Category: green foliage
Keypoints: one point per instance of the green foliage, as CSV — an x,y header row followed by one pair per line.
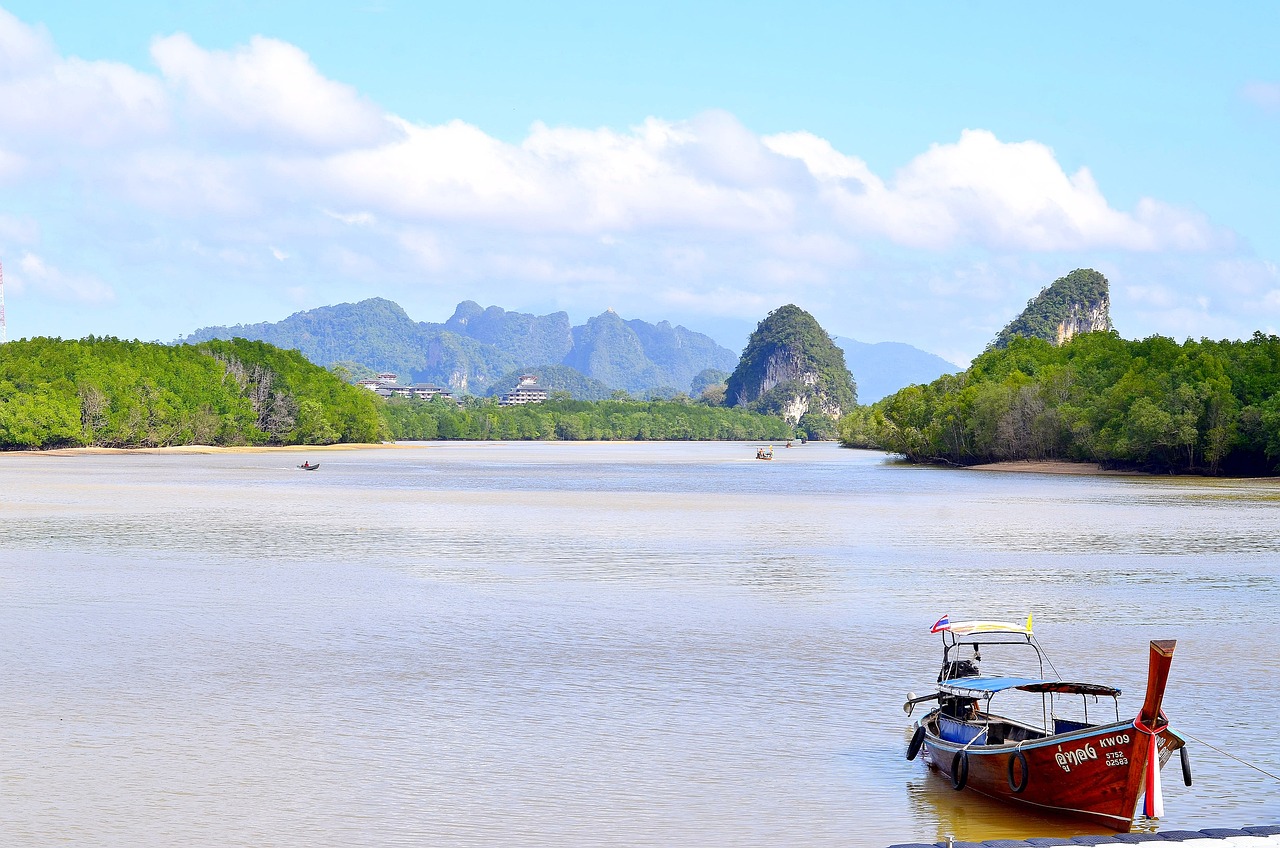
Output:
x,y
570,420
113,393
789,342
1201,406
713,395
1082,289
350,371
705,379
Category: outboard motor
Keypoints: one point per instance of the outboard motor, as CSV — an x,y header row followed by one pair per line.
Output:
x,y
958,668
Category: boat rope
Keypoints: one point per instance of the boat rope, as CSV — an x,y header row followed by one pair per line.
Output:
x,y
1182,732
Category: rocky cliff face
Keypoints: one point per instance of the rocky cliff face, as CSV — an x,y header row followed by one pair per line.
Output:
x,y
791,368
1077,303
1084,318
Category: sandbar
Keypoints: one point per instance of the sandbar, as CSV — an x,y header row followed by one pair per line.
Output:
x,y
1052,466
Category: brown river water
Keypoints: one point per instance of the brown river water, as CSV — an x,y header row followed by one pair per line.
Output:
x,y
587,644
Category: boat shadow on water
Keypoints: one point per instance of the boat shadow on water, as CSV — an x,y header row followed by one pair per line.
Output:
x,y
941,813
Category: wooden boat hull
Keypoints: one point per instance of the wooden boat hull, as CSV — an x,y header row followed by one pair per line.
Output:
x,y
1096,774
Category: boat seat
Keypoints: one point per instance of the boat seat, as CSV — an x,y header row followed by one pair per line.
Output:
x,y
1063,725
960,732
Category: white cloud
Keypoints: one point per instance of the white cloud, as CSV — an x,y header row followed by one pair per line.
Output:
x,y
362,219
37,276
215,158
982,191
50,100
269,90
22,47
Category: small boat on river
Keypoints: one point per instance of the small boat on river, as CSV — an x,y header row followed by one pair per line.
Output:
x,y
761,453
1073,766
307,466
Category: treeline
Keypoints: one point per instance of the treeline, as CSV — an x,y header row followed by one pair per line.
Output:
x,y
1203,406
105,392
569,420
112,393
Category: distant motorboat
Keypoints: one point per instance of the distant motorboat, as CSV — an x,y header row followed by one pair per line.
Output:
x,y
761,453
307,466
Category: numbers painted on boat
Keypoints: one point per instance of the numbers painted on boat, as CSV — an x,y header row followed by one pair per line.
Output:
x,y
1117,758
1112,741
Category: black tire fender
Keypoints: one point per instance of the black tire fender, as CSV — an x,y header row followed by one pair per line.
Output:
x,y
959,770
1186,764
917,739
1019,785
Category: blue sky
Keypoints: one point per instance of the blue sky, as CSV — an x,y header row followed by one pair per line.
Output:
x,y
906,173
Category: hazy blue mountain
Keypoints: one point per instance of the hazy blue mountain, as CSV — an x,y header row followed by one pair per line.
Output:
x,y
607,349
883,368
374,332
639,356
477,346
536,339
378,334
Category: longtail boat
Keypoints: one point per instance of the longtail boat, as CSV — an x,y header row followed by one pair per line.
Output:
x,y
1057,761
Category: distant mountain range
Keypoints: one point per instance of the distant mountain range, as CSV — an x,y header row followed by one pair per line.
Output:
x,y
883,368
478,350
478,347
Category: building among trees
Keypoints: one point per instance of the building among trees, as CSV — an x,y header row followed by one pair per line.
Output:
x,y
526,391
386,385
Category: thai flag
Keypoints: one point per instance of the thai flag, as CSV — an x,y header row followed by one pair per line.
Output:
x,y
943,623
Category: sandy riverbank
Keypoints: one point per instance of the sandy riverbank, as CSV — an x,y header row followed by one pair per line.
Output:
x,y
1052,467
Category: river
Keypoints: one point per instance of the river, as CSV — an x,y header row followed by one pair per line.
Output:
x,y
584,644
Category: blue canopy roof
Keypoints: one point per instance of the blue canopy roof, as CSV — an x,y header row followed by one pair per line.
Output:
x,y
985,687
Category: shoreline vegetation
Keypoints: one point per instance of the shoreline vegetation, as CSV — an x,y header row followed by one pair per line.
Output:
x,y
107,393
1209,408
1097,404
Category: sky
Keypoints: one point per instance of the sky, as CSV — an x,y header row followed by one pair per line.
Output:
x,y
905,172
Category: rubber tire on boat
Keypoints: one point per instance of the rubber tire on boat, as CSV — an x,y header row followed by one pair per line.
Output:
x,y
1186,764
917,739
1018,757
959,770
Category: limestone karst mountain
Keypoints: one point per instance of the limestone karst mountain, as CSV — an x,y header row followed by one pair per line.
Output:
x,y
1077,303
792,367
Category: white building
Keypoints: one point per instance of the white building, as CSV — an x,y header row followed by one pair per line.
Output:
x,y
528,391
386,386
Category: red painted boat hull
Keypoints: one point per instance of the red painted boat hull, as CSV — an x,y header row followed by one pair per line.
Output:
x,y
1096,775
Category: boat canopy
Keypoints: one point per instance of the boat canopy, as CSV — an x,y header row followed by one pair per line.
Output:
x,y
1062,687
968,628
985,687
